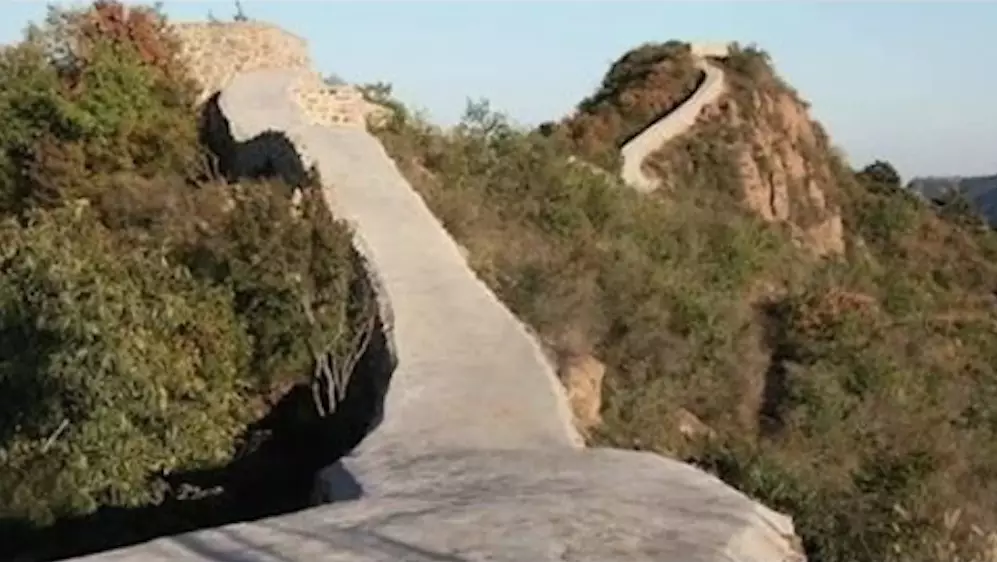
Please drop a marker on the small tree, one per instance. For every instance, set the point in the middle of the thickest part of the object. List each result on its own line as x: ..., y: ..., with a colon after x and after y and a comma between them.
x: 880, y: 172
x: 334, y: 80
x: 240, y: 15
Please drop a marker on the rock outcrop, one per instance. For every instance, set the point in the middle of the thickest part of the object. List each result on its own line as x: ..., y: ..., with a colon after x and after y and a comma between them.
x: 781, y: 181
x: 476, y: 456
x: 582, y: 376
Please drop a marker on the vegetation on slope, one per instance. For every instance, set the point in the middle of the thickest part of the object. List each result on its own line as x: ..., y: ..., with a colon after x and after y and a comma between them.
x: 977, y: 191
x: 642, y: 86
x: 150, y: 313
x: 855, y: 393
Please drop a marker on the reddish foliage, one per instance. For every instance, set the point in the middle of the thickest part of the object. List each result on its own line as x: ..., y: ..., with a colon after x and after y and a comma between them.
x: 140, y: 28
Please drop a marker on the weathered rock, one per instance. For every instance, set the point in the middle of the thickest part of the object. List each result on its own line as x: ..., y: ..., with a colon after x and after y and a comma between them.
x: 781, y: 178
x: 582, y: 377
x: 690, y: 426
x: 216, y: 52
x: 827, y: 237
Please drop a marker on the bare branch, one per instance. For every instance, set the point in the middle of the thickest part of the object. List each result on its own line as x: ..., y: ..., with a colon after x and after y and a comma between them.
x: 55, y: 435
x: 332, y: 372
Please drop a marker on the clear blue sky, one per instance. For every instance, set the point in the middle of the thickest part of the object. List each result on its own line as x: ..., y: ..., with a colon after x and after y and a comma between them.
x: 912, y: 82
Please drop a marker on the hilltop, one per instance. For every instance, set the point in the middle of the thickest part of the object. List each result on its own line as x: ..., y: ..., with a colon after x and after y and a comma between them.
x: 184, y: 289
x: 757, y: 139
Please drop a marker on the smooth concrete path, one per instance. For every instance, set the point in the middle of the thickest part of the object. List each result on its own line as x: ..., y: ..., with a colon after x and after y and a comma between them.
x: 563, y: 505
x: 469, y: 374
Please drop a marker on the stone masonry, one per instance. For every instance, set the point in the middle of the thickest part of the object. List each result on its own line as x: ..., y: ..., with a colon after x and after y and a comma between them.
x: 217, y: 52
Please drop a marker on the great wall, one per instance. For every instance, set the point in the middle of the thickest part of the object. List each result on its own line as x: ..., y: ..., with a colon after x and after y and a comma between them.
x: 636, y: 151
x: 475, y: 456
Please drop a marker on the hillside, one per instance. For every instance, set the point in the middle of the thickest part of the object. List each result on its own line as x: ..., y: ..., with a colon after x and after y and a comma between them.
x: 821, y: 340
x: 979, y: 191
x: 216, y: 283
x: 205, y: 406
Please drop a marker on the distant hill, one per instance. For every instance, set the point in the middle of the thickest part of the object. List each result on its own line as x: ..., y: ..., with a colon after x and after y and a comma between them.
x: 980, y: 191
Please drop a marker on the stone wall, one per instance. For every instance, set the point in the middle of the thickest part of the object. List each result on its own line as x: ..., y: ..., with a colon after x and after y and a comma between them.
x: 215, y: 52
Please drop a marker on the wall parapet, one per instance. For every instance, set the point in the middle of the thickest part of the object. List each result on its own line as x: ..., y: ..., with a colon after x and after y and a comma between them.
x: 216, y: 52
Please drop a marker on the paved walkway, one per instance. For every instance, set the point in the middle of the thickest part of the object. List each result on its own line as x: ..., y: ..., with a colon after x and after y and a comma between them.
x: 469, y: 373
x: 476, y: 458
x: 507, y: 506
x: 670, y: 126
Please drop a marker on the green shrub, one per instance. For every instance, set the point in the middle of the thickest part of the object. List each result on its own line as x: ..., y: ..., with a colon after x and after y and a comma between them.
x: 117, y: 367
x: 292, y: 277
x: 149, y: 312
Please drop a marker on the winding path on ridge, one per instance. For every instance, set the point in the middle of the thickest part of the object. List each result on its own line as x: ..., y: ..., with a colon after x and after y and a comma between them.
x: 476, y: 457
x: 677, y: 122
